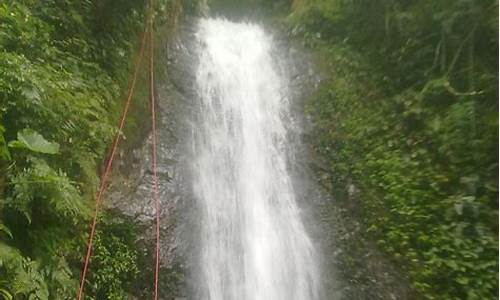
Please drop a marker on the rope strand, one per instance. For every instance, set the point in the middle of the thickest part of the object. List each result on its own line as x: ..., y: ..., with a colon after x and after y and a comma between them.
x: 109, y: 164
x: 153, y: 144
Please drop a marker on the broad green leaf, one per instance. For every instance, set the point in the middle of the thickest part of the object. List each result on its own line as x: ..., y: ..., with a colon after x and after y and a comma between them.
x: 32, y: 140
x: 4, y: 151
x: 4, y: 228
x: 5, y: 294
x: 9, y: 255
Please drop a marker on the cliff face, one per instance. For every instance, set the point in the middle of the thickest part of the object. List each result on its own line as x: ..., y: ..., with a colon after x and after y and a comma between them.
x: 400, y: 125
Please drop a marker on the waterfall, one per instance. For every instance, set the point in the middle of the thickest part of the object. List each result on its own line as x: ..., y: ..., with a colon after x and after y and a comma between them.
x: 253, y: 244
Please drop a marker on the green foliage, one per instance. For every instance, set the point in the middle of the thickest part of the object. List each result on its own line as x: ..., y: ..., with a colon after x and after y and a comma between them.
x: 33, y: 141
x: 4, y: 151
x: 115, y: 262
x: 411, y: 118
x: 24, y: 275
x: 38, y: 185
x: 62, y: 67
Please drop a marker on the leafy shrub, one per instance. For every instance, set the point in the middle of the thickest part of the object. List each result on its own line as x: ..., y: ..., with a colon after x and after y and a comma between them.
x: 62, y: 67
x: 115, y: 260
x: 411, y: 118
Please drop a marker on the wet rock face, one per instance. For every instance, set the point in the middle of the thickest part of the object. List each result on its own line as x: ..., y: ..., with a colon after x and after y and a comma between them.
x: 324, y: 217
x: 131, y: 194
x: 131, y: 191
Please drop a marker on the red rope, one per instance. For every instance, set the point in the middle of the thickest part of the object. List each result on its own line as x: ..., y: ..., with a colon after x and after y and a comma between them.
x: 153, y: 144
x: 109, y: 164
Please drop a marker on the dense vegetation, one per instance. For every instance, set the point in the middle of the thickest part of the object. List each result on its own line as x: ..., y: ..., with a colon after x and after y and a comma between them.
x: 408, y: 114
x: 63, y: 67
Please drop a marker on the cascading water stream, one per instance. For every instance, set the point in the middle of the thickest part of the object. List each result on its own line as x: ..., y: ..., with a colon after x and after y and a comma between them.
x: 253, y: 242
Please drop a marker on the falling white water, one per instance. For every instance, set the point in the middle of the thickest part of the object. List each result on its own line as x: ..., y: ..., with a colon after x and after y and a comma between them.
x: 253, y: 243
